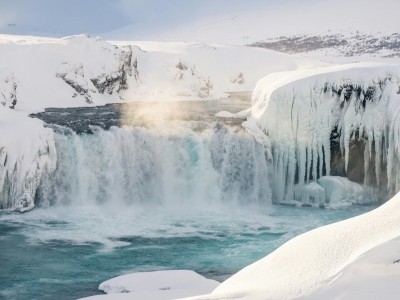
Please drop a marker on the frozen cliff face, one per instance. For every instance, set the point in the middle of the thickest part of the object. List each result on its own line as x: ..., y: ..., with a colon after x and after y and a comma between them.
x: 332, y: 121
x: 23, y: 161
x: 8, y: 88
x: 97, y: 67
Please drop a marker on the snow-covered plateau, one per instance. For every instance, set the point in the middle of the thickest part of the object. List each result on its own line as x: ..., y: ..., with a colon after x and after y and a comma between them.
x: 316, y: 135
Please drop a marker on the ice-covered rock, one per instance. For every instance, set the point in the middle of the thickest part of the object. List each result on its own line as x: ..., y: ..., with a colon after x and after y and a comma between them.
x: 310, y: 194
x: 169, y: 284
x: 313, y: 117
x: 23, y: 160
x: 340, y: 191
x: 333, y: 192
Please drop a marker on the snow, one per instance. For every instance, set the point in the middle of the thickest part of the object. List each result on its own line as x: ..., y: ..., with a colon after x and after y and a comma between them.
x: 40, y: 64
x: 373, y: 275
x: 323, y: 261
x: 170, y: 284
x: 82, y: 70
x: 7, y: 88
x: 192, y: 71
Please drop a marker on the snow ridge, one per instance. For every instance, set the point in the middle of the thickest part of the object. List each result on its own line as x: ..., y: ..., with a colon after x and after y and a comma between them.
x: 339, y: 44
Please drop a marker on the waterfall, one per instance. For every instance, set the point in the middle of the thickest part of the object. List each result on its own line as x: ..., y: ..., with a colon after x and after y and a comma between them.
x: 173, y: 163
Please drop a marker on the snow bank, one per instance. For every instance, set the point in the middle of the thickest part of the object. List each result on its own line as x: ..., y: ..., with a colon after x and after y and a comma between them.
x: 171, y: 284
x: 373, y: 275
x: 27, y: 153
x: 312, y: 261
x: 314, y: 117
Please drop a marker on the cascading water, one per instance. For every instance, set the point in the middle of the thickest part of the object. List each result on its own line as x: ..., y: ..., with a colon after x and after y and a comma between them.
x: 175, y: 163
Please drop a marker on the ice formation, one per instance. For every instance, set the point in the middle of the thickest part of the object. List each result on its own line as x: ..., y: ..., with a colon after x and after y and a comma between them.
x: 24, y: 160
x: 313, y: 118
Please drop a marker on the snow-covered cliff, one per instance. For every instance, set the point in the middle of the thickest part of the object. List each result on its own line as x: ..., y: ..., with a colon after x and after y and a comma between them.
x: 339, y: 120
x: 71, y: 71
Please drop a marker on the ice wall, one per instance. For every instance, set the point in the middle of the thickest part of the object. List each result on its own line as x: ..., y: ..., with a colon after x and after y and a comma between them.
x: 310, y: 116
x: 23, y: 161
x: 174, y: 164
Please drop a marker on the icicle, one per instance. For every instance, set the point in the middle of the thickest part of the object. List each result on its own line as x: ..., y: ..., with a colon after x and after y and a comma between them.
x: 315, y: 160
x: 309, y: 160
x: 366, y: 164
x: 302, y: 163
x: 378, y: 150
x: 327, y: 156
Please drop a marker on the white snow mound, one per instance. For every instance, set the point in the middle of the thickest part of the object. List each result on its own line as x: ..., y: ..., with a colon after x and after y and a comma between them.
x: 169, y: 284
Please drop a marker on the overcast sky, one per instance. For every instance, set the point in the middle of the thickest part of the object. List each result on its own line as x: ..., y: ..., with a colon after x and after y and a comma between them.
x: 150, y: 17
x: 63, y: 17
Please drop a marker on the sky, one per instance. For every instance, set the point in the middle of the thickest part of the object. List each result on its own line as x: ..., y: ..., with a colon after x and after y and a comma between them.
x: 206, y: 20
x: 66, y: 17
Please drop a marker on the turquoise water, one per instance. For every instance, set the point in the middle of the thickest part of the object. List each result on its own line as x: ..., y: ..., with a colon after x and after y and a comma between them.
x: 66, y: 252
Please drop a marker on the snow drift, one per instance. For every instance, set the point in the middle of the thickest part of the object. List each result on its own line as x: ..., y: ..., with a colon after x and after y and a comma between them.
x: 313, y: 260
x: 319, y: 121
